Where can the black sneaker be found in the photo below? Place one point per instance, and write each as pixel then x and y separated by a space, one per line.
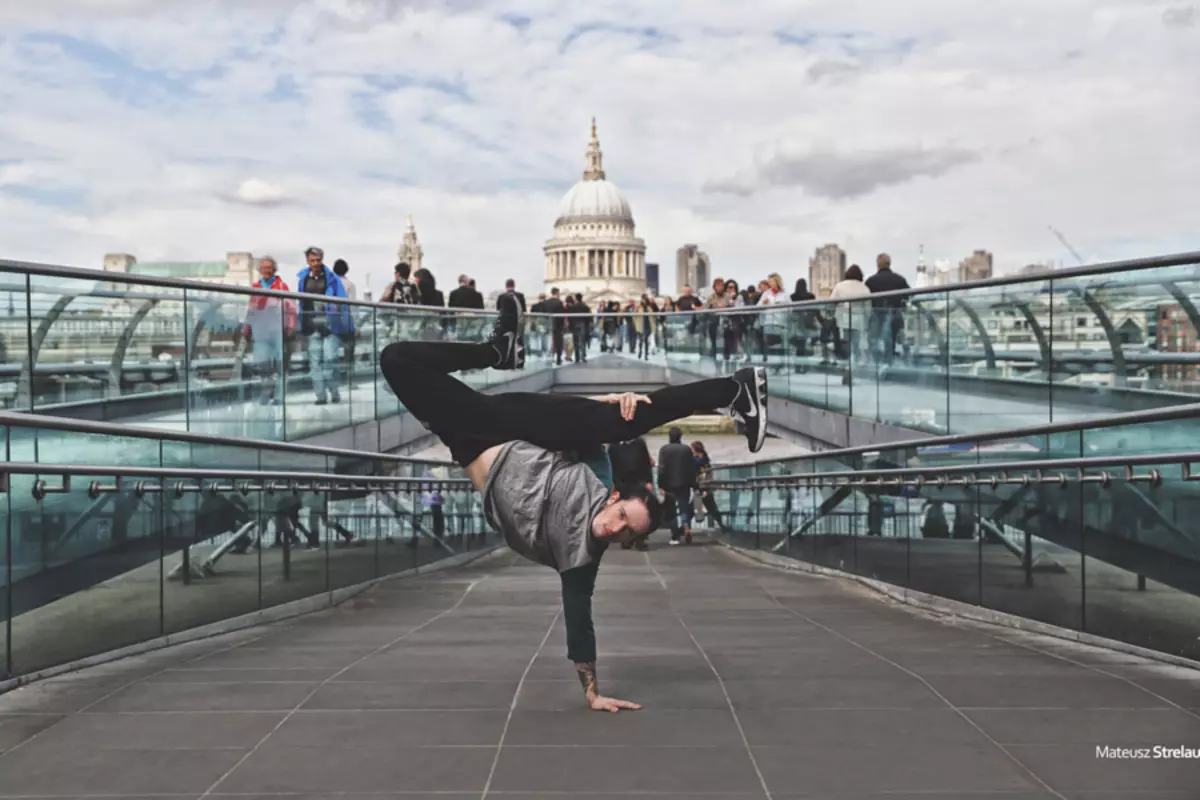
pixel 749 407
pixel 508 336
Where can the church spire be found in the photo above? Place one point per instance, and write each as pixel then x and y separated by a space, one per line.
pixel 595 159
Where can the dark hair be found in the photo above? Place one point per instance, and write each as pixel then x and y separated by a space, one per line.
pixel 675 434
pixel 636 491
pixel 510 284
pixel 854 273
pixel 340 267
pixel 698 446
pixel 425 281
pixel 403 270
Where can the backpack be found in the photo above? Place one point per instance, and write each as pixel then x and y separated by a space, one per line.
pixel 404 293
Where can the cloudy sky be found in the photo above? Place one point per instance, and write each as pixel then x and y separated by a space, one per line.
pixel 760 130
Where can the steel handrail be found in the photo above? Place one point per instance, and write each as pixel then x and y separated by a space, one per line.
pixel 253 480
pixel 1176 412
pixel 998 472
pixel 16 419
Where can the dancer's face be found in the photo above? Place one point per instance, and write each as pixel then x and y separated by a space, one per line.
pixel 621 520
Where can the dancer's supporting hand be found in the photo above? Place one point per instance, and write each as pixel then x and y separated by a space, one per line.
pixel 601 703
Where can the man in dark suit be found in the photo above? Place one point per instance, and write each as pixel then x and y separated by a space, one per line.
pixel 676 478
pixel 464 296
pixel 511 286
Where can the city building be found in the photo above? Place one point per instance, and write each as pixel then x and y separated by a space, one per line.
pixel 976 267
pixel 238 269
pixel 652 279
pixel 826 269
pixel 692 268
pixel 1176 334
pixel 595 251
pixel 410 249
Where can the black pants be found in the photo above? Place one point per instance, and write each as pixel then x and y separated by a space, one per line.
pixel 469 422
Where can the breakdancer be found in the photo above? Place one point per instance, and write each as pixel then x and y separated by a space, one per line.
pixel 552 510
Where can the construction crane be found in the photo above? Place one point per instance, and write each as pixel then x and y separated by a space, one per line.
pixel 1067 244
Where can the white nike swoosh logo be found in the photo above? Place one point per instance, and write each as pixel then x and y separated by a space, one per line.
pixel 753 412
pixel 510 340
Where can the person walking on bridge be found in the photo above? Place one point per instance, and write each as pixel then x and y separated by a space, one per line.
pixel 550 510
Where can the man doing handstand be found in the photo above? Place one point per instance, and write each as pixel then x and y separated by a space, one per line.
pixel 552 510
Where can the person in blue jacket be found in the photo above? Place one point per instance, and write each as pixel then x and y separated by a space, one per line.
pixel 324 326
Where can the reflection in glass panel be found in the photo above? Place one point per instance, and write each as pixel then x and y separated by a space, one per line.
pixel 1143 560
pixel 85 569
pixel 1031 559
pixel 119 344
pixel 999 357
pixel 15 332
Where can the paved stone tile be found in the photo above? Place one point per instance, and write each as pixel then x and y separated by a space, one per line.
pixel 123 773
pixel 625 769
pixel 768 665
pixel 831 692
pixel 634 669
pixel 206 697
pixel 282 768
pixel 171 731
pixel 389 728
pixel 57 696
pixel 990 665
pixel 318 656
pixel 1077 767
pixel 1007 691
pixel 416 695
pixel 896 767
pixel 581 726
pixel 854 728
pixel 244 676
pixel 406 667
pixel 1128 727
pixel 566 695
pixel 17 728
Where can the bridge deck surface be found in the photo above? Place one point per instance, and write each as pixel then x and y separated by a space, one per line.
pixel 755 682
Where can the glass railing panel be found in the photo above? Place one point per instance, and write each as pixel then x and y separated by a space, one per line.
pixel 211 540
pixel 85 569
pixel 1143 559
pixel 318 388
pixel 1030 562
pixel 117 349
pixel 15 332
pixel 909 345
pixel 257 336
pixel 235 350
pixel 351 526
pixel 1124 341
pixel 5 547
pixel 999 357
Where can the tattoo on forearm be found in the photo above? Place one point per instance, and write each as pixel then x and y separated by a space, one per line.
pixel 587 677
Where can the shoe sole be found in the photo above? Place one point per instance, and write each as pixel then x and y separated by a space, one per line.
pixel 760 401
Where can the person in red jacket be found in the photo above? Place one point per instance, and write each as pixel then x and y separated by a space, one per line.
pixel 270 323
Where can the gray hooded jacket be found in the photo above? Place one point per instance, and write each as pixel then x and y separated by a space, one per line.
pixel 544 505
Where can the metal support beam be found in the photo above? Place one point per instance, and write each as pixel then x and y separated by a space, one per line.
pixel 942 342
pixel 37 339
pixel 123 341
pixel 989 352
pixel 1038 333
pixel 1114 343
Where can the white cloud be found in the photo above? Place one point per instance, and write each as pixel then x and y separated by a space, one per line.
pixel 257 192
pixel 184 130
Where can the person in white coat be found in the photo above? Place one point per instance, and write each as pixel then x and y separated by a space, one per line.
pixel 851 317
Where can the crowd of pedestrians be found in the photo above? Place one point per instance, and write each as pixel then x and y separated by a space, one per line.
pixel 754 322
